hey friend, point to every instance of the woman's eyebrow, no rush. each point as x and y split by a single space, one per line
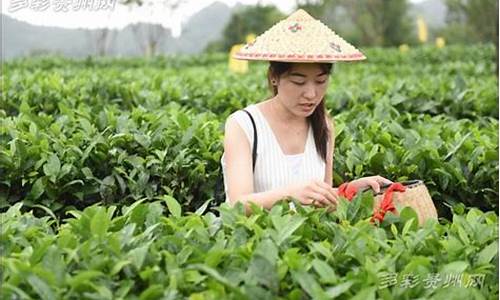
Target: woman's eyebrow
302 75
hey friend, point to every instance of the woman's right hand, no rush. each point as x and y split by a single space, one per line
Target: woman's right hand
316 192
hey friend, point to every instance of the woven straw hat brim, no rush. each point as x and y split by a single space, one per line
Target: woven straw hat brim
299 38
298 59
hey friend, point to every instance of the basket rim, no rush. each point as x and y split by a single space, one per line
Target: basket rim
409 184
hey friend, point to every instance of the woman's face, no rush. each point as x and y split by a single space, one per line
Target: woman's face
302 88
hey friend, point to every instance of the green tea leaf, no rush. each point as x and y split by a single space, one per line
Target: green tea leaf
83 277
326 273
41 287
367 293
286 226
410 225
19 292
173 206
203 207
455 267
153 292
339 289
217 276
138 255
309 284
262 271
37 189
268 249
52 167
119 266
104 292
488 253
99 223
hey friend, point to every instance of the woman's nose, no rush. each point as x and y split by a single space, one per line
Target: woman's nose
310 91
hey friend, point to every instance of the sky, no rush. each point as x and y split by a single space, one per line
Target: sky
74 13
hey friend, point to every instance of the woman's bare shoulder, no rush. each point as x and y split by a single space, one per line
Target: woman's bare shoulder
234 134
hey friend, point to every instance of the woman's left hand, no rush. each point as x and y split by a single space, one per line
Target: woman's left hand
375 182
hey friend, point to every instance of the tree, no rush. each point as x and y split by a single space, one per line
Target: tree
150 36
313 7
251 19
101 39
365 22
479 18
472 21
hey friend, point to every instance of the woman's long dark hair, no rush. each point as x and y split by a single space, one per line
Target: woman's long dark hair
318 117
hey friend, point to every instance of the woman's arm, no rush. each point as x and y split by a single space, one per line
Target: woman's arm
239 173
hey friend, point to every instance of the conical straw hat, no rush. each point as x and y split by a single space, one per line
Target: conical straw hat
299 38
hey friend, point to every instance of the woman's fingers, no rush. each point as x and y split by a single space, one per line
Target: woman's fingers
311 199
376 182
382 181
319 199
374 185
327 191
324 195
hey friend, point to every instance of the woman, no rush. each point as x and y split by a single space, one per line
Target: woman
294 132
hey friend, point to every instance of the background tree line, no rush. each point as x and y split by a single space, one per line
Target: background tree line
372 22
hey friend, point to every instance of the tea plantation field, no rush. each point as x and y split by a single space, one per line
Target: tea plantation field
107 167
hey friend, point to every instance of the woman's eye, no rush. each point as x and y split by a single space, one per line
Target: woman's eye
302 83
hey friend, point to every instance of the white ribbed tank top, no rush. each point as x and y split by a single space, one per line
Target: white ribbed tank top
274 169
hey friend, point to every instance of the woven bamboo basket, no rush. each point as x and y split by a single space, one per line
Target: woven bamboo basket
416 196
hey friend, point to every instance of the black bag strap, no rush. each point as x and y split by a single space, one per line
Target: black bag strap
254 149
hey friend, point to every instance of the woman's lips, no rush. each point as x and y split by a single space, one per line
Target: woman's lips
307 107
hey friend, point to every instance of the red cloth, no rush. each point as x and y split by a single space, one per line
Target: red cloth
347 191
386 204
